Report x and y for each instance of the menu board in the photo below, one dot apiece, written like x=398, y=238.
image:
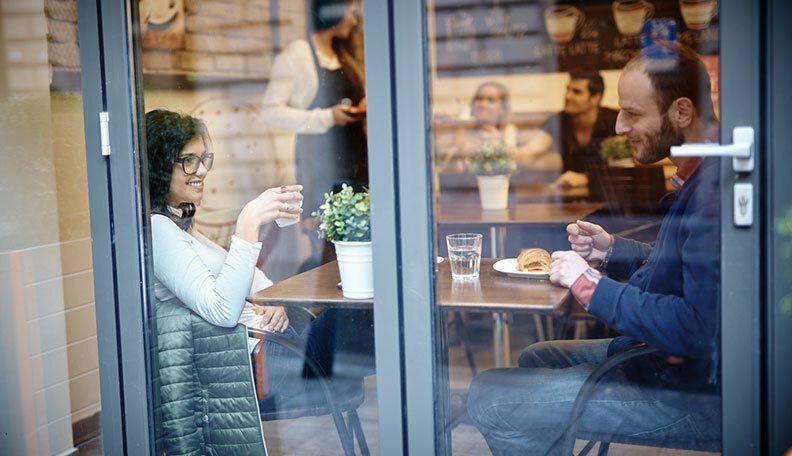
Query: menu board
x=525, y=36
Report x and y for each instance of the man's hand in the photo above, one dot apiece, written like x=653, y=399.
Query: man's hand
x=566, y=267
x=571, y=179
x=589, y=240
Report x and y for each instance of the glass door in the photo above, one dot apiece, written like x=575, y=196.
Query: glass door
x=548, y=135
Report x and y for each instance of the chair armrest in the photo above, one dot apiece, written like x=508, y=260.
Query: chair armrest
x=588, y=388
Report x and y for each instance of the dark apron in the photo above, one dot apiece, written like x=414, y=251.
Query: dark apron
x=327, y=160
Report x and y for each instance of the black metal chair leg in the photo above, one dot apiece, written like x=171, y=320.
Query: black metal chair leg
x=463, y=337
x=343, y=434
x=603, y=449
x=358, y=432
x=587, y=449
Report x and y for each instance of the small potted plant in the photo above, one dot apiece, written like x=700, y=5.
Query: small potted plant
x=492, y=164
x=344, y=220
x=617, y=151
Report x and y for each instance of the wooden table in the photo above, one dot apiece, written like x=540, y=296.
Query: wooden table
x=491, y=292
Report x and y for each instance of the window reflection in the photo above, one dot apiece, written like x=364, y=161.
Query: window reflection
x=586, y=99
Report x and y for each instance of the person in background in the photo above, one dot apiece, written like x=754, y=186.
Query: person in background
x=580, y=128
x=191, y=270
x=669, y=300
x=317, y=90
x=490, y=112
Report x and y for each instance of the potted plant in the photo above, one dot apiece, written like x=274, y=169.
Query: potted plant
x=344, y=220
x=617, y=151
x=492, y=164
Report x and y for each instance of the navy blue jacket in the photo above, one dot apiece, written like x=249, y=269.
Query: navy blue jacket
x=671, y=298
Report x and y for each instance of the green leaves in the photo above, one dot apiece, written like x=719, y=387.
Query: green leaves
x=344, y=215
x=616, y=148
x=492, y=160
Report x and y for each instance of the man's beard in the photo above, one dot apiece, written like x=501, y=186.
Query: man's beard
x=658, y=144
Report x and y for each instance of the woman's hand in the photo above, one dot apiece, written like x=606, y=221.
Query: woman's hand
x=273, y=319
x=273, y=203
x=342, y=116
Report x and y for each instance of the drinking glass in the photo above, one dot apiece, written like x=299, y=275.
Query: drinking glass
x=464, y=253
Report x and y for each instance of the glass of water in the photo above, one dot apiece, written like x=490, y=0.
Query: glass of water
x=464, y=251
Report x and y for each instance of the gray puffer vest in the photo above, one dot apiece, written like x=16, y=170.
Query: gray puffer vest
x=207, y=403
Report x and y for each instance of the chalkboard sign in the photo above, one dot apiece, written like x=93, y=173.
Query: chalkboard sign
x=537, y=36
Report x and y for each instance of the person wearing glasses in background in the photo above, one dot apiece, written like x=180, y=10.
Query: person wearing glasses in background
x=317, y=90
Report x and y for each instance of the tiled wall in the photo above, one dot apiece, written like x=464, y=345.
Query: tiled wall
x=49, y=346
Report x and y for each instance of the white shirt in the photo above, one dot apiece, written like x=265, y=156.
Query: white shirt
x=207, y=279
x=292, y=87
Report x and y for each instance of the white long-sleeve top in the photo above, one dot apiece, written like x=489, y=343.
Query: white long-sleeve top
x=292, y=87
x=203, y=276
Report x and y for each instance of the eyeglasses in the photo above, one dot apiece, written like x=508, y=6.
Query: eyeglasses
x=191, y=162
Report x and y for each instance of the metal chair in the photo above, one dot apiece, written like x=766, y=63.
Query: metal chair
x=572, y=434
x=326, y=399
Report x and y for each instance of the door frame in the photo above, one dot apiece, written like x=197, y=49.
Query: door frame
x=118, y=212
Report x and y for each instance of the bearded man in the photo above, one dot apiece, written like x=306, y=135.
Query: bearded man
x=669, y=300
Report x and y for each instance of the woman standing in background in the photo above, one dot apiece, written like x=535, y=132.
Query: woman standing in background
x=317, y=90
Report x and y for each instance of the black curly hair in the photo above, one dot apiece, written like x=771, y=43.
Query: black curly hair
x=167, y=133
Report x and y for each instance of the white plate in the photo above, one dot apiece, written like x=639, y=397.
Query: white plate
x=508, y=266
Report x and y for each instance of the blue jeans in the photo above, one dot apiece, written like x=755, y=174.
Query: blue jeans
x=525, y=410
x=339, y=341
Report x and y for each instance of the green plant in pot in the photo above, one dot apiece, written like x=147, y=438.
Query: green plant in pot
x=493, y=164
x=617, y=151
x=345, y=221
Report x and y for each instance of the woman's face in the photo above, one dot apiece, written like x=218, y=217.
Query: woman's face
x=488, y=106
x=350, y=20
x=187, y=188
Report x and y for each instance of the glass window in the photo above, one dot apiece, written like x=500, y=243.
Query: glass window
x=567, y=234
x=255, y=113
x=49, y=360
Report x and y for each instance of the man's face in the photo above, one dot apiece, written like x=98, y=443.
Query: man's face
x=650, y=132
x=578, y=99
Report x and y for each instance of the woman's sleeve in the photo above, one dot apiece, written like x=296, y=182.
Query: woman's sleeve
x=276, y=110
x=179, y=268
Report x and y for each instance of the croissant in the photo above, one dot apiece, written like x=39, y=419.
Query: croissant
x=533, y=260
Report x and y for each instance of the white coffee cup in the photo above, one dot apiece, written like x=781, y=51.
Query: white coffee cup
x=561, y=22
x=284, y=222
x=630, y=15
x=697, y=14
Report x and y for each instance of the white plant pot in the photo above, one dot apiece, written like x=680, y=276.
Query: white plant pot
x=356, y=269
x=494, y=191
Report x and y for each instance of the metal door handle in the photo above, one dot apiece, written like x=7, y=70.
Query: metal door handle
x=742, y=150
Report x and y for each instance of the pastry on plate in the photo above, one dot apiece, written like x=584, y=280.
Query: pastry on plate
x=533, y=260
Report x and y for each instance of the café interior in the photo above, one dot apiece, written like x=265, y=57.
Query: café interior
x=511, y=85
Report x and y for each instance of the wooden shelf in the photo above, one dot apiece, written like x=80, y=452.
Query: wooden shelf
x=68, y=80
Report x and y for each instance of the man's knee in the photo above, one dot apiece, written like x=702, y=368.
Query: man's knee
x=482, y=396
x=534, y=355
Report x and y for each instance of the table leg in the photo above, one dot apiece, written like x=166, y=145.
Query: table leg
x=497, y=339
x=540, y=335
x=550, y=328
x=500, y=340
x=494, y=241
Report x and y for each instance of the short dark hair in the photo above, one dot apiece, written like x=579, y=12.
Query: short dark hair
x=686, y=77
x=596, y=85
x=167, y=133
x=327, y=13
